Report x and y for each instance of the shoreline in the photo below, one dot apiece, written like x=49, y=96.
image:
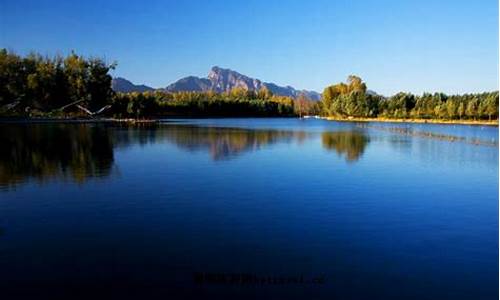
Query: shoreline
x=76, y=120
x=156, y=120
x=418, y=121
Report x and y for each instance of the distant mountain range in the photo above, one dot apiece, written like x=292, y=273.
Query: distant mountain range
x=218, y=80
x=122, y=85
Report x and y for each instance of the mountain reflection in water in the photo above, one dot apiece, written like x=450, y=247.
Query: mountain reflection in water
x=224, y=143
x=80, y=151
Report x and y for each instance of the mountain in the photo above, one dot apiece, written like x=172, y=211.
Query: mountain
x=223, y=80
x=190, y=83
x=218, y=80
x=122, y=85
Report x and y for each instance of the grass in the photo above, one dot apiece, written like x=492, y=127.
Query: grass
x=411, y=120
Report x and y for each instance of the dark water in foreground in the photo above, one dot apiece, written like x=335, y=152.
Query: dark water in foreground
x=275, y=208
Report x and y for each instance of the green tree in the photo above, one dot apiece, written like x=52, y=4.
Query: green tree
x=461, y=110
x=451, y=109
x=264, y=93
x=471, y=110
x=346, y=100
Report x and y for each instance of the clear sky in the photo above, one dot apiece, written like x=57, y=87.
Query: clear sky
x=426, y=45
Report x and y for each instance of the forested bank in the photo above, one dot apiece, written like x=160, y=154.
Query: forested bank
x=75, y=86
x=238, y=102
x=351, y=99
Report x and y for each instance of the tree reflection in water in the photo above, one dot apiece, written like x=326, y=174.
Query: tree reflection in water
x=77, y=151
x=44, y=151
x=349, y=143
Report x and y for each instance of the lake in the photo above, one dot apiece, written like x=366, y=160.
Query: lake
x=249, y=208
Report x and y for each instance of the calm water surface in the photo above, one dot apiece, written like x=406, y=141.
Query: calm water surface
x=358, y=211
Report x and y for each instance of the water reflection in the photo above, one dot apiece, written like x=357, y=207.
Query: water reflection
x=44, y=151
x=349, y=143
x=78, y=152
x=425, y=134
x=224, y=143
x=81, y=151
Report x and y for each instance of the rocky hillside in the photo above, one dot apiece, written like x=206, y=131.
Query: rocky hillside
x=124, y=86
x=223, y=80
x=218, y=80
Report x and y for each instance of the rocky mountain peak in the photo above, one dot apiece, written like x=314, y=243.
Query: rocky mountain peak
x=224, y=80
x=220, y=80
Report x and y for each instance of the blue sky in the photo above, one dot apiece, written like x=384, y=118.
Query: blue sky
x=414, y=46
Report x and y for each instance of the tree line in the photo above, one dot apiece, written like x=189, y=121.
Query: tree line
x=237, y=102
x=36, y=85
x=351, y=99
